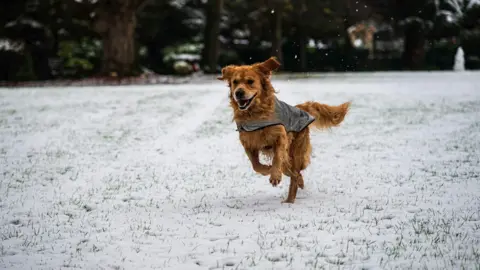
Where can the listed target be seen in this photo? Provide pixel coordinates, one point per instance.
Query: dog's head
(249, 83)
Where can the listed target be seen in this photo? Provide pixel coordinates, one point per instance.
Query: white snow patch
(32, 23)
(11, 45)
(154, 177)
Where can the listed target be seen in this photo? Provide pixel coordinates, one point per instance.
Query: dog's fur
(289, 151)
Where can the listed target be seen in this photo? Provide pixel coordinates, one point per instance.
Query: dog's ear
(227, 73)
(268, 66)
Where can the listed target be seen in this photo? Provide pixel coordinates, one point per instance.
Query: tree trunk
(40, 63)
(277, 30)
(301, 36)
(212, 30)
(116, 24)
(349, 62)
(414, 47)
(118, 44)
(302, 43)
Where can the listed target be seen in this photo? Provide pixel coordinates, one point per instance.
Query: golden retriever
(273, 128)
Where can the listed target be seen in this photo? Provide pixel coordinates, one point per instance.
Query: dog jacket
(292, 118)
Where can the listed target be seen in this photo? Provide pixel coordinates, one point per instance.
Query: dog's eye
(235, 81)
(250, 81)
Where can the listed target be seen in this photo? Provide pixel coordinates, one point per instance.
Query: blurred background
(75, 39)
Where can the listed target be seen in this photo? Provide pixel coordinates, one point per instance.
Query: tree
(461, 18)
(416, 19)
(277, 10)
(456, 16)
(322, 20)
(115, 21)
(212, 30)
(31, 23)
(168, 24)
(300, 8)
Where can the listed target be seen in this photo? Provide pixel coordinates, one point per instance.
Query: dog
(273, 128)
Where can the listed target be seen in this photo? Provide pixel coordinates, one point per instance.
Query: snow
(11, 45)
(459, 64)
(458, 6)
(455, 8)
(473, 3)
(154, 177)
(26, 21)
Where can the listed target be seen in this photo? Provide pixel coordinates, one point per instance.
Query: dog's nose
(240, 93)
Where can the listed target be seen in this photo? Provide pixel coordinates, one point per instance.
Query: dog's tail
(326, 116)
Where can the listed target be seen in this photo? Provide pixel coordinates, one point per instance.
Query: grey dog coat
(292, 118)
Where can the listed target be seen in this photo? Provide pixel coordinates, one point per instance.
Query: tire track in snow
(173, 144)
(194, 110)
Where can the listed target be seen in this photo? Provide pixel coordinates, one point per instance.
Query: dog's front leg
(280, 156)
(257, 166)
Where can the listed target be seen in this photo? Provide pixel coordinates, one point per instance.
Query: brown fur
(289, 151)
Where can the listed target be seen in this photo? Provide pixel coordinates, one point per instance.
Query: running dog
(273, 128)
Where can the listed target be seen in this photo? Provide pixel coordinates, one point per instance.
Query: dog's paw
(288, 201)
(275, 180)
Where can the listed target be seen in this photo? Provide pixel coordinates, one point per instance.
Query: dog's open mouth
(244, 103)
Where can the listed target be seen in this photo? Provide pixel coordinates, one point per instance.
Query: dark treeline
(49, 39)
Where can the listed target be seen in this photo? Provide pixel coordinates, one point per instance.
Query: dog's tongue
(243, 102)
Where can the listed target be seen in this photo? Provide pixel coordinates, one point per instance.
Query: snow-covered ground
(154, 177)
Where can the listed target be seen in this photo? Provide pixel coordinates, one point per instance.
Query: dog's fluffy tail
(326, 116)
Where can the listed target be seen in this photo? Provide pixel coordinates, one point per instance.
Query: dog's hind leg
(300, 151)
(302, 154)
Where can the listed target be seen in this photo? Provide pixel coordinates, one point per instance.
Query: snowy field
(154, 177)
